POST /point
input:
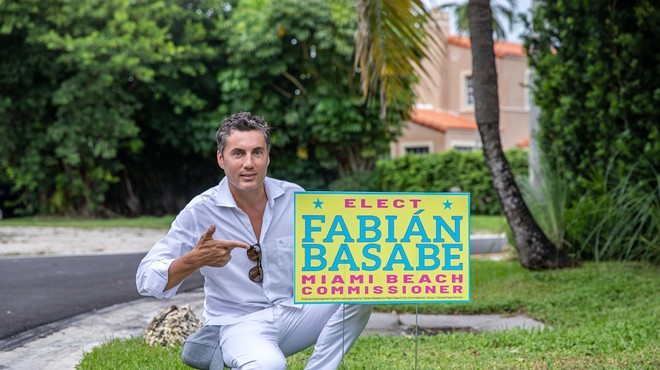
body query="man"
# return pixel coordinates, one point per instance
(239, 234)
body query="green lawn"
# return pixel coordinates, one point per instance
(487, 224)
(602, 316)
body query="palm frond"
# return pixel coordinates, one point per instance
(391, 42)
(502, 14)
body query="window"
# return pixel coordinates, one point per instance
(461, 148)
(417, 150)
(469, 91)
(416, 147)
(465, 145)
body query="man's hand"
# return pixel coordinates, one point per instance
(212, 252)
(207, 252)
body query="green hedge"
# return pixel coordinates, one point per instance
(597, 88)
(445, 172)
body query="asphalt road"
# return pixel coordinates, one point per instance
(38, 291)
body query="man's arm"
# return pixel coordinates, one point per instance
(207, 252)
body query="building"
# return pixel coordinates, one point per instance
(443, 118)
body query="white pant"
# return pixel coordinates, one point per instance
(265, 345)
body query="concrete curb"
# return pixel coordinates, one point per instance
(404, 324)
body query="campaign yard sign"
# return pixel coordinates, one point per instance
(358, 247)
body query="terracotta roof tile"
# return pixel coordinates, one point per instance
(502, 48)
(524, 143)
(442, 121)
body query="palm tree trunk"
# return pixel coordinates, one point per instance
(535, 250)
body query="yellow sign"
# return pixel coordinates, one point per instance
(381, 247)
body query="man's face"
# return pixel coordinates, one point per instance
(245, 160)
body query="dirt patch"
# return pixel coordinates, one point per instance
(45, 241)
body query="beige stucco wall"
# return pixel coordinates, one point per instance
(418, 135)
(514, 103)
(431, 77)
(463, 138)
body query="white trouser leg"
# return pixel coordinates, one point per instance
(338, 336)
(265, 345)
(334, 328)
(252, 345)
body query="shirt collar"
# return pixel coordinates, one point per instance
(225, 199)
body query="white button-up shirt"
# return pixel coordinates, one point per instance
(230, 296)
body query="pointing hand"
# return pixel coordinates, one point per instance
(215, 252)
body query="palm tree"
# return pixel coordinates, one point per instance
(385, 36)
(500, 12)
(534, 248)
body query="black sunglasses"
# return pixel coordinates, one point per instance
(256, 273)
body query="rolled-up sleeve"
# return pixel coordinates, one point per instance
(152, 277)
(152, 273)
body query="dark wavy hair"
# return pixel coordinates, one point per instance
(242, 121)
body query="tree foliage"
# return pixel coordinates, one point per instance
(87, 83)
(597, 86)
(111, 106)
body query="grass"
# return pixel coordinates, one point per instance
(602, 316)
(487, 224)
(479, 224)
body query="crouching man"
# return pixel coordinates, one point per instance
(239, 235)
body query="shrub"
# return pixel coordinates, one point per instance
(362, 181)
(451, 171)
(618, 219)
(547, 199)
